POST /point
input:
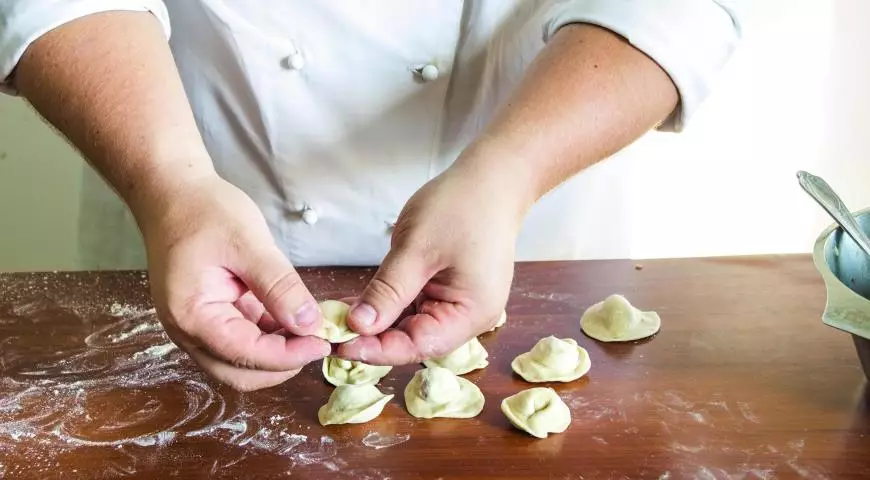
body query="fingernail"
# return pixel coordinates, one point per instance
(364, 314)
(306, 315)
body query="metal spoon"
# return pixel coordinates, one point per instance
(833, 204)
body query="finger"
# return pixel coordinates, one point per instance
(275, 282)
(252, 309)
(250, 306)
(268, 324)
(234, 339)
(238, 378)
(394, 287)
(408, 311)
(439, 329)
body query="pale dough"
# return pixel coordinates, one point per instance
(464, 359)
(334, 328)
(538, 411)
(353, 404)
(339, 371)
(553, 360)
(437, 392)
(501, 321)
(616, 320)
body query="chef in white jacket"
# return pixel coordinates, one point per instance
(416, 135)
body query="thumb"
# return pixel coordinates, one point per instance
(396, 284)
(274, 281)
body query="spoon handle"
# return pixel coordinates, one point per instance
(833, 204)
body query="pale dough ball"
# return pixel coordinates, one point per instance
(353, 404)
(339, 371)
(501, 321)
(616, 320)
(437, 392)
(552, 360)
(470, 356)
(538, 411)
(334, 328)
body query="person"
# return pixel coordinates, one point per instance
(424, 137)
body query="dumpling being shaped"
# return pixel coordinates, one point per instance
(470, 356)
(353, 404)
(437, 392)
(538, 411)
(334, 328)
(339, 371)
(616, 320)
(553, 360)
(501, 321)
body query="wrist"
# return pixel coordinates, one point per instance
(514, 176)
(155, 191)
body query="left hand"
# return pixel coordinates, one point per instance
(452, 253)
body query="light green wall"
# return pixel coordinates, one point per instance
(40, 185)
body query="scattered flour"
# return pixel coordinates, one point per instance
(377, 441)
(119, 310)
(694, 432)
(156, 350)
(159, 439)
(747, 412)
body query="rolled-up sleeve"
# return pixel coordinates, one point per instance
(24, 21)
(690, 39)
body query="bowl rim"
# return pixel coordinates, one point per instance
(844, 308)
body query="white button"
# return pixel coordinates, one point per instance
(429, 72)
(309, 216)
(391, 224)
(296, 61)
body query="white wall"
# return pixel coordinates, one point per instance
(794, 97)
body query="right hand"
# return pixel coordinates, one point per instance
(223, 290)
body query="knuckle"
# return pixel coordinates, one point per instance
(242, 385)
(250, 383)
(435, 351)
(385, 291)
(285, 286)
(242, 362)
(185, 314)
(421, 248)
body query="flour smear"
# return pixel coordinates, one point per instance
(121, 385)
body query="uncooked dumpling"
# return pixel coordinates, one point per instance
(464, 359)
(339, 371)
(437, 392)
(553, 360)
(353, 404)
(538, 411)
(616, 320)
(501, 321)
(334, 328)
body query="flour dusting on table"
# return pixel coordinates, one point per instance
(116, 381)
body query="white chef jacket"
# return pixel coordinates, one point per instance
(331, 114)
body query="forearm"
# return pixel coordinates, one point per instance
(588, 94)
(109, 84)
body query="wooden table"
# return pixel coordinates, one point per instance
(743, 381)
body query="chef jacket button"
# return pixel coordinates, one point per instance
(309, 216)
(296, 61)
(428, 72)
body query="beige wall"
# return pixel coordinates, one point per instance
(794, 97)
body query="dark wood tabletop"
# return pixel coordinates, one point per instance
(743, 381)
